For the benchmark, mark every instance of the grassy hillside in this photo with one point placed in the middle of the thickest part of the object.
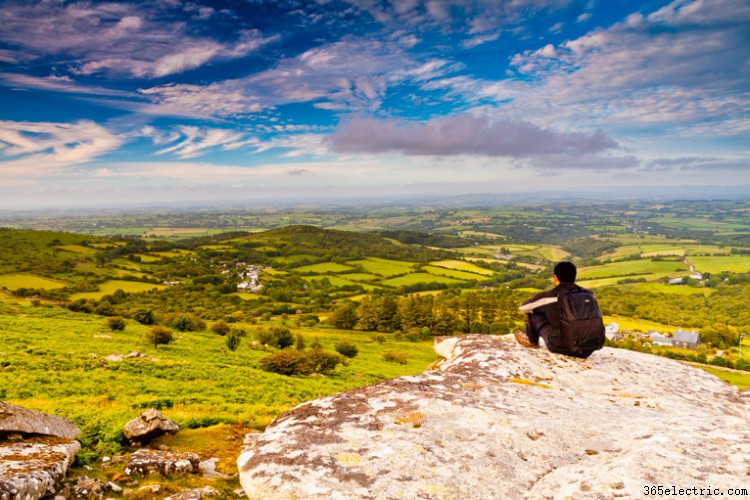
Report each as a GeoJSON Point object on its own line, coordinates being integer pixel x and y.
{"type": "Point", "coordinates": [55, 361]}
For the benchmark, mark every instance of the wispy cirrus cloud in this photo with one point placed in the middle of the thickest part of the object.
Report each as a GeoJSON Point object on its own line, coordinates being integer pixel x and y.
{"type": "Point", "coordinates": [31, 149]}
{"type": "Point", "coordinates": [191, 141]}
{"type": "Point", "coordinates": [478, 16]}
{"type": "Point", "coordinates": [349, 74]}
{"type": "Point", "coordinates": [143, 41]}
{"type": "Point", "coordinates": [464, 135]}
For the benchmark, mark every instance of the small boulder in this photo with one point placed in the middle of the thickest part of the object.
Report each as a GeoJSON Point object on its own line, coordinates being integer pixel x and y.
{"type": "Point", "coordinates": [87, 487]}
{"type": "Point", "coordinates": [149, 425]}
{"type": "Point", "coordinates": [147, 462]}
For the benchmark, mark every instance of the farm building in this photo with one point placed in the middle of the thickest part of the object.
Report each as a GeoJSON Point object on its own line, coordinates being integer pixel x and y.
{"type": "Point", "coordinates": [685, 339]}
{"type": "Point", "coordinates": [611, 331]}
{"type": "Point", "coordinates": [659, 339]}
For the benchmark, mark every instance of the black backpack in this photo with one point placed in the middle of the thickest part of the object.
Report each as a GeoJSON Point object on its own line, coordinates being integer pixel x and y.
{"type": "Point", "coordinates": [581, 323]}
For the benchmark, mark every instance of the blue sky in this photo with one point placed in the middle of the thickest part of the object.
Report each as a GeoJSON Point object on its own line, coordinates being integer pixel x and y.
{"type": "Point", "coordinates": [204, 101]}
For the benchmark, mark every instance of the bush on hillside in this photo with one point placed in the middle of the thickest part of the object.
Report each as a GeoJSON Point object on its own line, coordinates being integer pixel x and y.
{"type": "Point", "coordinates": [220, 328]}
{"type": "Point", "coordinates": [233, 340]}
{"type": "Point", "coordinates": [324, 361]}
{"type": "Point", "coordinates": [116, 323]}
{"type": "Point", "coordinates": [159, 335]}
{"type": "Point", "coordinates": [288, 362]}
{"type": "Point", "coordinates": [346, 349]}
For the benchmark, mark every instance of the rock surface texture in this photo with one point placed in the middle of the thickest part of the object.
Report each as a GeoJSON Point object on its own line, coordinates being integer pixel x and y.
{"type": "Point", "coordinates": [146, 462]}
{"type": "Point", "coordinates": [149, 425]}
{"type": "Point", "coordinates": [35, 467]}
{"type": "Point", "coordinates": [36, 450]}
{"type": "Point", "coordinates": [15, 419]}
{"type": "Point", "coordinates": [497, 420]}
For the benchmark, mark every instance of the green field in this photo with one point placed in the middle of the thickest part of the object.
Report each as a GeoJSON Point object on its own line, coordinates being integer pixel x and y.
{"type": "Point", "coordinates": [109, 287]}
{"type": "Point", "coordinates": [338, 281]}
{"type": "Point", "coordinates": [14, 281]}
{"type": "Point", "coordinates": [671, 289]}
{"type": "Point", "coordinates": [452, 273]}
{"type": "Point", "coordinates": [720, 263]}
{"type": "Point", "coordinates": [633, 269]}
{"type": "Point", "coordinates": [741, 380]}
{"type": "Point", "coordinates": [323, 268]}
{"type": "Point", "coordinates": [461, 265]}
{"type": "Point", "coordinates": [384, 267]}
{"type": "Point", "coordinates": [360, 277]}
{"type": "Point", "coordinates": [78, 249]}
{"type": "Point", "coordinates": [414, 278]}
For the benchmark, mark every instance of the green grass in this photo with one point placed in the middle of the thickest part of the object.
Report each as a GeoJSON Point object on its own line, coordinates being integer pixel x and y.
{"type": "Point", "coordinates": [55, 361]}
{"type": "Point", "coordinates": [339, 281]}
{"type": "Point", "coordinates": [717, 264]}
{"type": "Point", "coordinates": [452, 273]}
{"type": "Point", "coordinates": [15, 281]}
{"type": "Point", "coordinates": [741, 380]}
{"type": "Point", "coordinates": [78, 249]}
{"type": "Point", "coordinates": [461, 265]}
{"type": "Point", "coordinates": [384, 267]}
{"type": "Point", "coordinates": [323, 268]}
{"type": "Point", "coordinates": [671, 289]}
{"type": "Point", "coordinates": [633, 269]}
{"type": "Point", "coordinates": [414, 278]}
{"type": "Point", "coordinates": [109, 287]}
{"type": "Point", "coordinates": [360, 276]}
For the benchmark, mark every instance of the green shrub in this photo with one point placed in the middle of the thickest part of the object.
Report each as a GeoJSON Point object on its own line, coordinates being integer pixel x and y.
{"type": "Point", "coordinates": [116, 323]}
{"type": "Point", "coordinates": [287, 362]}
{"type": "Point", "coordinates": [284, 336]}
{"type": "Point", "coordinates": [220, 328]}
{"type": "Point", "coordinates": [300, 342]}
{"type": "Point", "coordinates": [324, 361]}
{"type": "Point", "coordinates": [346, 348]}
{"type": "Point", "coordinates": [742, 364]}
{"type": "Point", "coordinates": [233, 340]}
{"type": "Point", "coordinates": [377, 337]}
{"type": "Point", "coordinates": [189, 323]}
{"type": "Point", "coordinates": [144, 316]}
{"type": "Point", "coordinates": [396, 357]}
{"type": "Point", "coordinates": [159, 335]}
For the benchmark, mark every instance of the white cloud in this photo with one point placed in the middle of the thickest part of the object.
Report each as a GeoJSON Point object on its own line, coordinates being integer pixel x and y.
{"type": "Point", "coordinates": [190, 141]}
{"type": "Point", "coordinates": [351, 74]}
{"type": "Point", "coordinates": [33, 149]}
{"type": "Point", "coordinates": [124, 39]}
{"type": "Point", "coordinates": [685, 62]}
{"type": "Point", "coordinates": [217, 99]}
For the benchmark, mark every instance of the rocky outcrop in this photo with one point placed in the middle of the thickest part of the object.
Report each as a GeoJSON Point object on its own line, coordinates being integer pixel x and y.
{"type": "Point", "coordinates": [36, 451]}
{"type": "Point", "coordinates": [497, 420]}
{"type": "Point", "coordinates": [35, 467]}
{"type": "Point", "coordinates": [146, 462]}
{"type": "Point", "coordinates": [149, 425]}
{"type": "Point", "coordinates": [14, 419]}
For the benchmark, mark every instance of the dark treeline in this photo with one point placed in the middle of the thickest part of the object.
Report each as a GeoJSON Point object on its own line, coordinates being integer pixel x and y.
{"type": "Point", "coordinates": [448, 313]}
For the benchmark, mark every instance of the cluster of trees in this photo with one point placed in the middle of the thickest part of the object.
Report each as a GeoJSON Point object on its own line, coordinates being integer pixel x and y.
{"type": "Point", "coordinates": [720, 316]}
{"type": "Point", "coordinates": [493, 311]}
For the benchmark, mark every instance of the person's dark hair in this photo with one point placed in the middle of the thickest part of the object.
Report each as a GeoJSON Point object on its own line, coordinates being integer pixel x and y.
{"type": "Point", "coordinates": [565, 272]}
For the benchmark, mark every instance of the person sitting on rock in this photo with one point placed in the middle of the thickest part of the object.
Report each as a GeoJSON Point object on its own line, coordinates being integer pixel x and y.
{"type": "Point", "coordinates": [543, 318]}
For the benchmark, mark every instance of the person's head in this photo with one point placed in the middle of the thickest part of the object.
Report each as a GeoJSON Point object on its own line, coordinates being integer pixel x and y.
{"type": "Point", "coordinates": [565, 272]}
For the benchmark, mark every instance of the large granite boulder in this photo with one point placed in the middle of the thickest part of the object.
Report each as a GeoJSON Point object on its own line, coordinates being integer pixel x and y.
{"type": "Point", "coordinates": [35, 467]}
{"type": "Point", "coordinates": [15, 419]}
{"type": "Point", "coordinates": [149, 425]}
{"type": "Point", "coordinates": [497, 420]}
{"type": "Point", "coordinates": [36, 450]}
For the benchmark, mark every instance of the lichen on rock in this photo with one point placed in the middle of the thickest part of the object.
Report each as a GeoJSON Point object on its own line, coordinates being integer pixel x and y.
{"type": "Point", "coordinates": [497, 420]}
